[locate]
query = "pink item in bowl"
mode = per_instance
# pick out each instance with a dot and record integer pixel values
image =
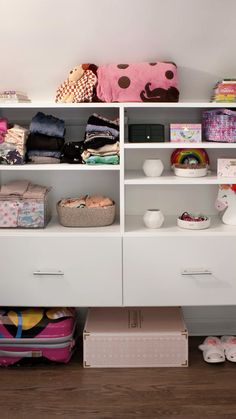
(193, 222)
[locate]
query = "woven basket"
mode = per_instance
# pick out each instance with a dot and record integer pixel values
(86, 217)
(220, 125)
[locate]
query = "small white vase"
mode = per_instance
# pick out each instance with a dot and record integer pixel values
(153, 218)
(153, 167)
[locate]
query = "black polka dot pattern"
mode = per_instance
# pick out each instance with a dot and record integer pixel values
(122, 66)
(169, 74)
(124, 82)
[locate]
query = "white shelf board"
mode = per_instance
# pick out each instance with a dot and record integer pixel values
(186, 104)
(134, 226)
(136, 177)
(51, 104)
(164, 145)
(55, 229)
(45, 104)
(60, 167)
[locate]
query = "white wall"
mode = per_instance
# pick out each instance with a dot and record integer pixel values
(42, 39)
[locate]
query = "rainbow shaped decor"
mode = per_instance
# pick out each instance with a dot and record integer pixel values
(189, 156)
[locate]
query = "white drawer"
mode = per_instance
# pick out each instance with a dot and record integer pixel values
(53, 271)
(157, 271)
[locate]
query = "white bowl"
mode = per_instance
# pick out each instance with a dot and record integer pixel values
(194, 225)
(190, 172)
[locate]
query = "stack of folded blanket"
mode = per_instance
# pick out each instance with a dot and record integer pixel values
(101, 144)
(46, 139)
(12, 143)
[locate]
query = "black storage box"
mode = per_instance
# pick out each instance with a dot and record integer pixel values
(142, 133)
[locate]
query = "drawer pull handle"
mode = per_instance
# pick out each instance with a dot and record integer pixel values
(46, 273)
(196, 272)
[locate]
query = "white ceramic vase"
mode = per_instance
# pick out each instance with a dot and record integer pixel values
(153, 167)
(153, 218)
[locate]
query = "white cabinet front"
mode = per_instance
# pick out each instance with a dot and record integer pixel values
(179, 271)
(52, 271)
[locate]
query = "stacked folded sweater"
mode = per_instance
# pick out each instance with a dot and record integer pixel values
(46, 139)
(101, 144)
(12, 143)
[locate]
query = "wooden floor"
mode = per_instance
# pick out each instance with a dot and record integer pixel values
(69, 391)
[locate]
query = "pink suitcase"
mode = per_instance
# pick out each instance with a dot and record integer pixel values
(36, 332)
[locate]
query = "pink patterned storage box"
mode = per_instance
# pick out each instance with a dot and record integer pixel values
(186, 133)
(226, 167)
(24, 213)
(220, 125)
(135, 337)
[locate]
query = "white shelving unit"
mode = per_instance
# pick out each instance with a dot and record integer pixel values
(125, 263)
(170, 265)
(79, 266)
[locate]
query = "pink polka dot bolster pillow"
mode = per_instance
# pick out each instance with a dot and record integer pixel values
(138, 82)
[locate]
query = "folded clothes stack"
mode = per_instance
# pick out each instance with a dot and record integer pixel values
(224, 91)
(101, 144)
(12, 143)
(13, 96)
(23, 189)
(86, 201)
(71, 152)
(46, 139)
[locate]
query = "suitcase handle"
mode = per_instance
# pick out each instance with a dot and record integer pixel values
(17, 354)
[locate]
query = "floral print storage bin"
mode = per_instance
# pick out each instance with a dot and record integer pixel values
(23, 205)
(24, 213)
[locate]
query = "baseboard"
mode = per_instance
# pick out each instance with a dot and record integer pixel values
(209, 327)
(205, 321)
